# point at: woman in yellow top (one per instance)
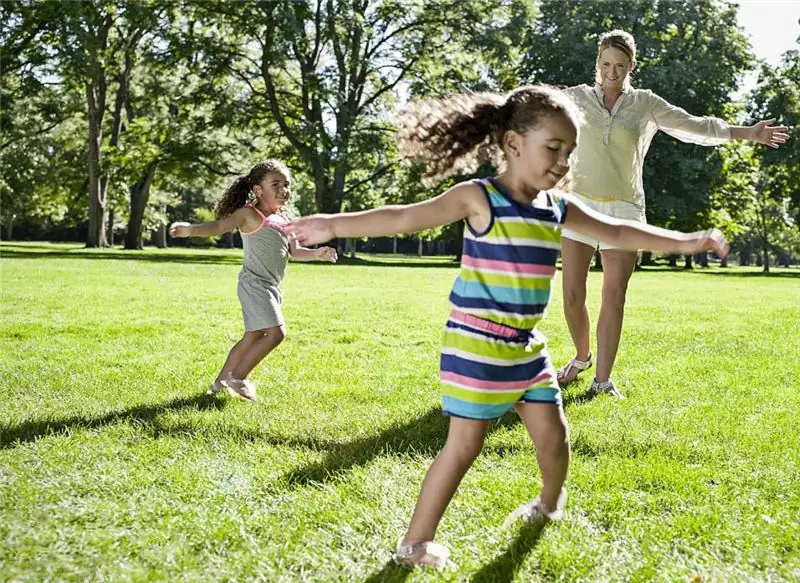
(618, 126)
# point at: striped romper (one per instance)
(492, 354)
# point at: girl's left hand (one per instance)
(769, 135)
(327, 254)
(179, 230)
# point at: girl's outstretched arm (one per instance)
(299, 253)
(233, 221)
(634, 236)
(460, 202)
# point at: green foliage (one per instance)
(194, 93)
(759, 198)
(778, 96)
(328, 73)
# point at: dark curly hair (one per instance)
(458, 133)
(238, 193)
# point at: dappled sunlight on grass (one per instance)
(115, 465)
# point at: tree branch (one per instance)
(369, 101)
(27, 135)
(375, 174)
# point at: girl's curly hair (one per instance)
(238, 193)
(458, 133)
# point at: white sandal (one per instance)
(216, 388)
(579, 365)
(606, 387)
(424, 554)
(535, 511)
(242, 387)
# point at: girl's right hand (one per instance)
(179, 230)
(710, 240)
(312, 230)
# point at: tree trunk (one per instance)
(10, 226)
(322, 188)
(160, 237)
(394, 245)
(350, 247)
(419, 246)
(765, 244)
(140, 193)
(111, 226)
(96, 107)
(96, 237)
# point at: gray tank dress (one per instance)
(266, 252)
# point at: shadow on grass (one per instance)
(390, 573)
(190, 255)
(182, 256)
(390, 261)
(783, 272)
(145, 414)
(504, 568)
(424, 435)
(574, 397)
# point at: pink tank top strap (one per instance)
(258, 228)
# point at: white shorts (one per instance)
(613, 208)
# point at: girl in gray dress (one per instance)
(252, 205)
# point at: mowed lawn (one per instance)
(115, 465)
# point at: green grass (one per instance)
(115, 466)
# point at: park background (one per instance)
(120, 117)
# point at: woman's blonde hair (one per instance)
(620, 40)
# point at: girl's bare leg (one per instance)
(464, 443)
(547, 428)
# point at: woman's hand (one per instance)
(765, 133)
(311, 230)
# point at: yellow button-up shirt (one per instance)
(610, 154)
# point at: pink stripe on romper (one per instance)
(508, 266)
(493, 385)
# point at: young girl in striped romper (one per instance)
(252, 204)
(493, 359)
